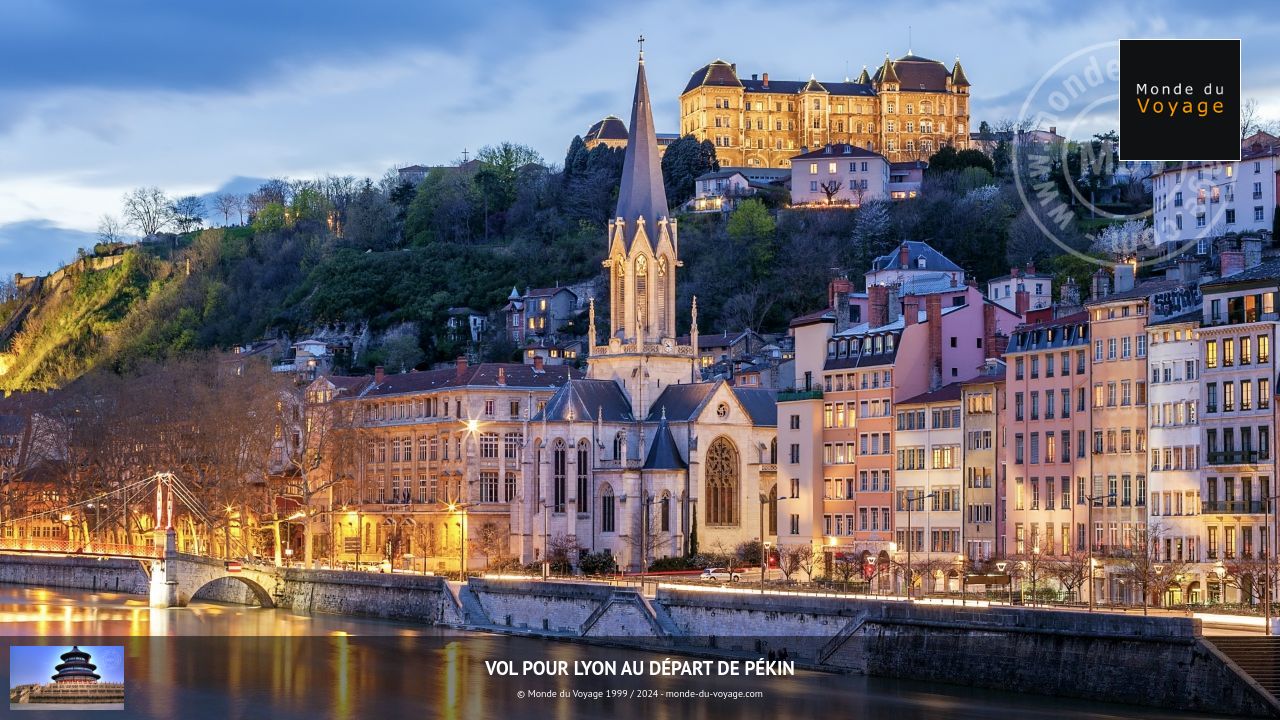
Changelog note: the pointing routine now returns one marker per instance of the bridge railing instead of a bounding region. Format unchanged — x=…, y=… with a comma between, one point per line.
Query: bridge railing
x=79, y=547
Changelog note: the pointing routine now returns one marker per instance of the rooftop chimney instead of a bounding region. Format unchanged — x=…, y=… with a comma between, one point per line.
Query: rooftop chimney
x=989, y=330
x=877, y=305
x=754, y=76
x=893, y=303
x=766, y=80
x=1189, y=270
x=1021, y=302
x=1100, y=285
x=461, y=365
x=502, y=376
x=538, y=363
x=1031, y=267
x=910, y=310
x=904, y=256
x=1123, y=278
x=1230, y=262
x=933, y=315
x=377, y=375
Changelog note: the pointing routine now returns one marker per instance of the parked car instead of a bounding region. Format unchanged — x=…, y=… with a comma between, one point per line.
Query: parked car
x=720, y=575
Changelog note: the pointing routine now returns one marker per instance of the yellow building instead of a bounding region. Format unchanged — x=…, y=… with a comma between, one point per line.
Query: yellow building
x=906, y=111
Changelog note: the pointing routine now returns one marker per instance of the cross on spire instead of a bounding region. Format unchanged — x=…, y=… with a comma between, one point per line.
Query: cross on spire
x=640, y=42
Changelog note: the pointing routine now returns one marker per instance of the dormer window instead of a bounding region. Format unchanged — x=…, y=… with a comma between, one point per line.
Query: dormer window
x=920, y=262
x=879, y=345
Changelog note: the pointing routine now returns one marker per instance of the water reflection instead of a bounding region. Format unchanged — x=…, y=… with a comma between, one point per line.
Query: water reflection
x=226, y=661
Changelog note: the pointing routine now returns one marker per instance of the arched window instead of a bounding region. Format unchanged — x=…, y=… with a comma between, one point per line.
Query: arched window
x=584, y=459
x=642, y=296
x=619, y=294
x=773, y=451
x=664, y=513
x=664, y=284
x=558, y=460
x=619, y=445
x=722, y=483
x=606, y=509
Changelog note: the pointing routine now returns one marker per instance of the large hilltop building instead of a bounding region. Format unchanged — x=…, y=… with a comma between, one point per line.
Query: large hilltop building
x=633, y=457
x=906, y=111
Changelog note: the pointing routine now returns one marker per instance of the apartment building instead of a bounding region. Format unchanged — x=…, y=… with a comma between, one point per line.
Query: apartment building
x=929, y=483
x=1173, y=419
x=1237, y=337
x=982, y=416
x=1046, y=431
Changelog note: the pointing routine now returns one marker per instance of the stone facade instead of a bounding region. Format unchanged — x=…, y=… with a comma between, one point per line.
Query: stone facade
x=910, y=108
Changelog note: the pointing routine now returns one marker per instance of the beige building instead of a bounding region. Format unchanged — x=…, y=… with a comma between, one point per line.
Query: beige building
x=430, y=451
x=907, y=110
x=982, y=405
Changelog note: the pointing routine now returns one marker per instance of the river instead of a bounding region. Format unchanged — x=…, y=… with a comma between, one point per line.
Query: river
x=221, y=661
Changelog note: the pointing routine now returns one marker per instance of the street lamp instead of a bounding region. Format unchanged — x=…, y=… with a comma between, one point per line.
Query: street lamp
x=911, y=499
x=462, y=537
x=1089, y=531
x=1008, y=581
x=764, y=546
x=1221, y=571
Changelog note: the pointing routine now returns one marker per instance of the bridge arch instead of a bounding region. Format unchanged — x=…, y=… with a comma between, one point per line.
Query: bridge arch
x=259, y=592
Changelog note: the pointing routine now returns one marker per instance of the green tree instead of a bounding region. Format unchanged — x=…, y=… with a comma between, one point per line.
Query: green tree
x=753, y=230
x=271, y=218
x=682, y=163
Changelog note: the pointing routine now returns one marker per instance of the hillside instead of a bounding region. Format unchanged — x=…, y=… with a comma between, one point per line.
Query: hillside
x=393, y=256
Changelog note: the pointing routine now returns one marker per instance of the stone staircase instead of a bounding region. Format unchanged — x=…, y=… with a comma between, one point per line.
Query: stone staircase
x=1259, y=657
x=839, y=638
x=663, y=617
x=473, y=612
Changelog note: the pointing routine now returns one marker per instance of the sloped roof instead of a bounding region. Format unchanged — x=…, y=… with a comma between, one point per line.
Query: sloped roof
x=588, y=401
x=715, y=73
x=548, y=292
x=610, y=128
x=681, y=402
x=839, y=150
x=913, y=72
x=760, y=404
x=1269, y=270
x=517, y=375
x=933, y=260
x=958, y=78
x=664, y=454
x=945, y=393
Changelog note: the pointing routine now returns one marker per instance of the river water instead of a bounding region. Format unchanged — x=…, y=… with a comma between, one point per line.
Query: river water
x=228, y=661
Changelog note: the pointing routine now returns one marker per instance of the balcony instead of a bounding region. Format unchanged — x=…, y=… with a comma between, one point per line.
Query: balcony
x=796, y=395
x=1231, y=507
x=1234, y=457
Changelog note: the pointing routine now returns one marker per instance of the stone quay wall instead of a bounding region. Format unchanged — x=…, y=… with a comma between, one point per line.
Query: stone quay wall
x=81, y=573
x=1154, y=661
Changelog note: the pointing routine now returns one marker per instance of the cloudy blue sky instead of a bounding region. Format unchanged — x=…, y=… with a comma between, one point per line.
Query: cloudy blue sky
x=99, y=97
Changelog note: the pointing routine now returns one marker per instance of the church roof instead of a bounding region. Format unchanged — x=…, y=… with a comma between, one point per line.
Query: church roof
x=664, y=454
x=642, y=193
x=761, y=404
x=583, y=400
x=681, y=402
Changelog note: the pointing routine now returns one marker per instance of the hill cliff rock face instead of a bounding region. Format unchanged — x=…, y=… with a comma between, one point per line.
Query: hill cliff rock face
x=60, y=325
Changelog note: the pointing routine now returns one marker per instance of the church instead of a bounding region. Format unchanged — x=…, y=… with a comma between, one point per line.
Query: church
x=641, y=458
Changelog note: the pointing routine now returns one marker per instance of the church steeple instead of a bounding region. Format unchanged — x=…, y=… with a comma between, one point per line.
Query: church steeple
x=642, y=193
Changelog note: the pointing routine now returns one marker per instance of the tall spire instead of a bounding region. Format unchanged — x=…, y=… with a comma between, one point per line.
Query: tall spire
x=642, y=193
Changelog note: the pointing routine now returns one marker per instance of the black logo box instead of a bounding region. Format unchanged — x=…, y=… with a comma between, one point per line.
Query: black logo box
x=1187, y=68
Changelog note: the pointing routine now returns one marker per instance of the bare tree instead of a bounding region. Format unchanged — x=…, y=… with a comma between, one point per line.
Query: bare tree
x=831, y=188
x=1252, y=121
x=1071, y=571
x=491, y=541
x=791, y=558
x=188, y=213
x=148, y=210
x=1140, y=563
x=317, y=445
x=227, y=204
x=110, y=229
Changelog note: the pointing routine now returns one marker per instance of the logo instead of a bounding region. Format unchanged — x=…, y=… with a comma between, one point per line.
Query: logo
x=1180, y=100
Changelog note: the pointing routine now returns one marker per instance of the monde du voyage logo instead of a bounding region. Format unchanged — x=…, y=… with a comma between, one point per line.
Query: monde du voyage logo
x=1180, y=100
